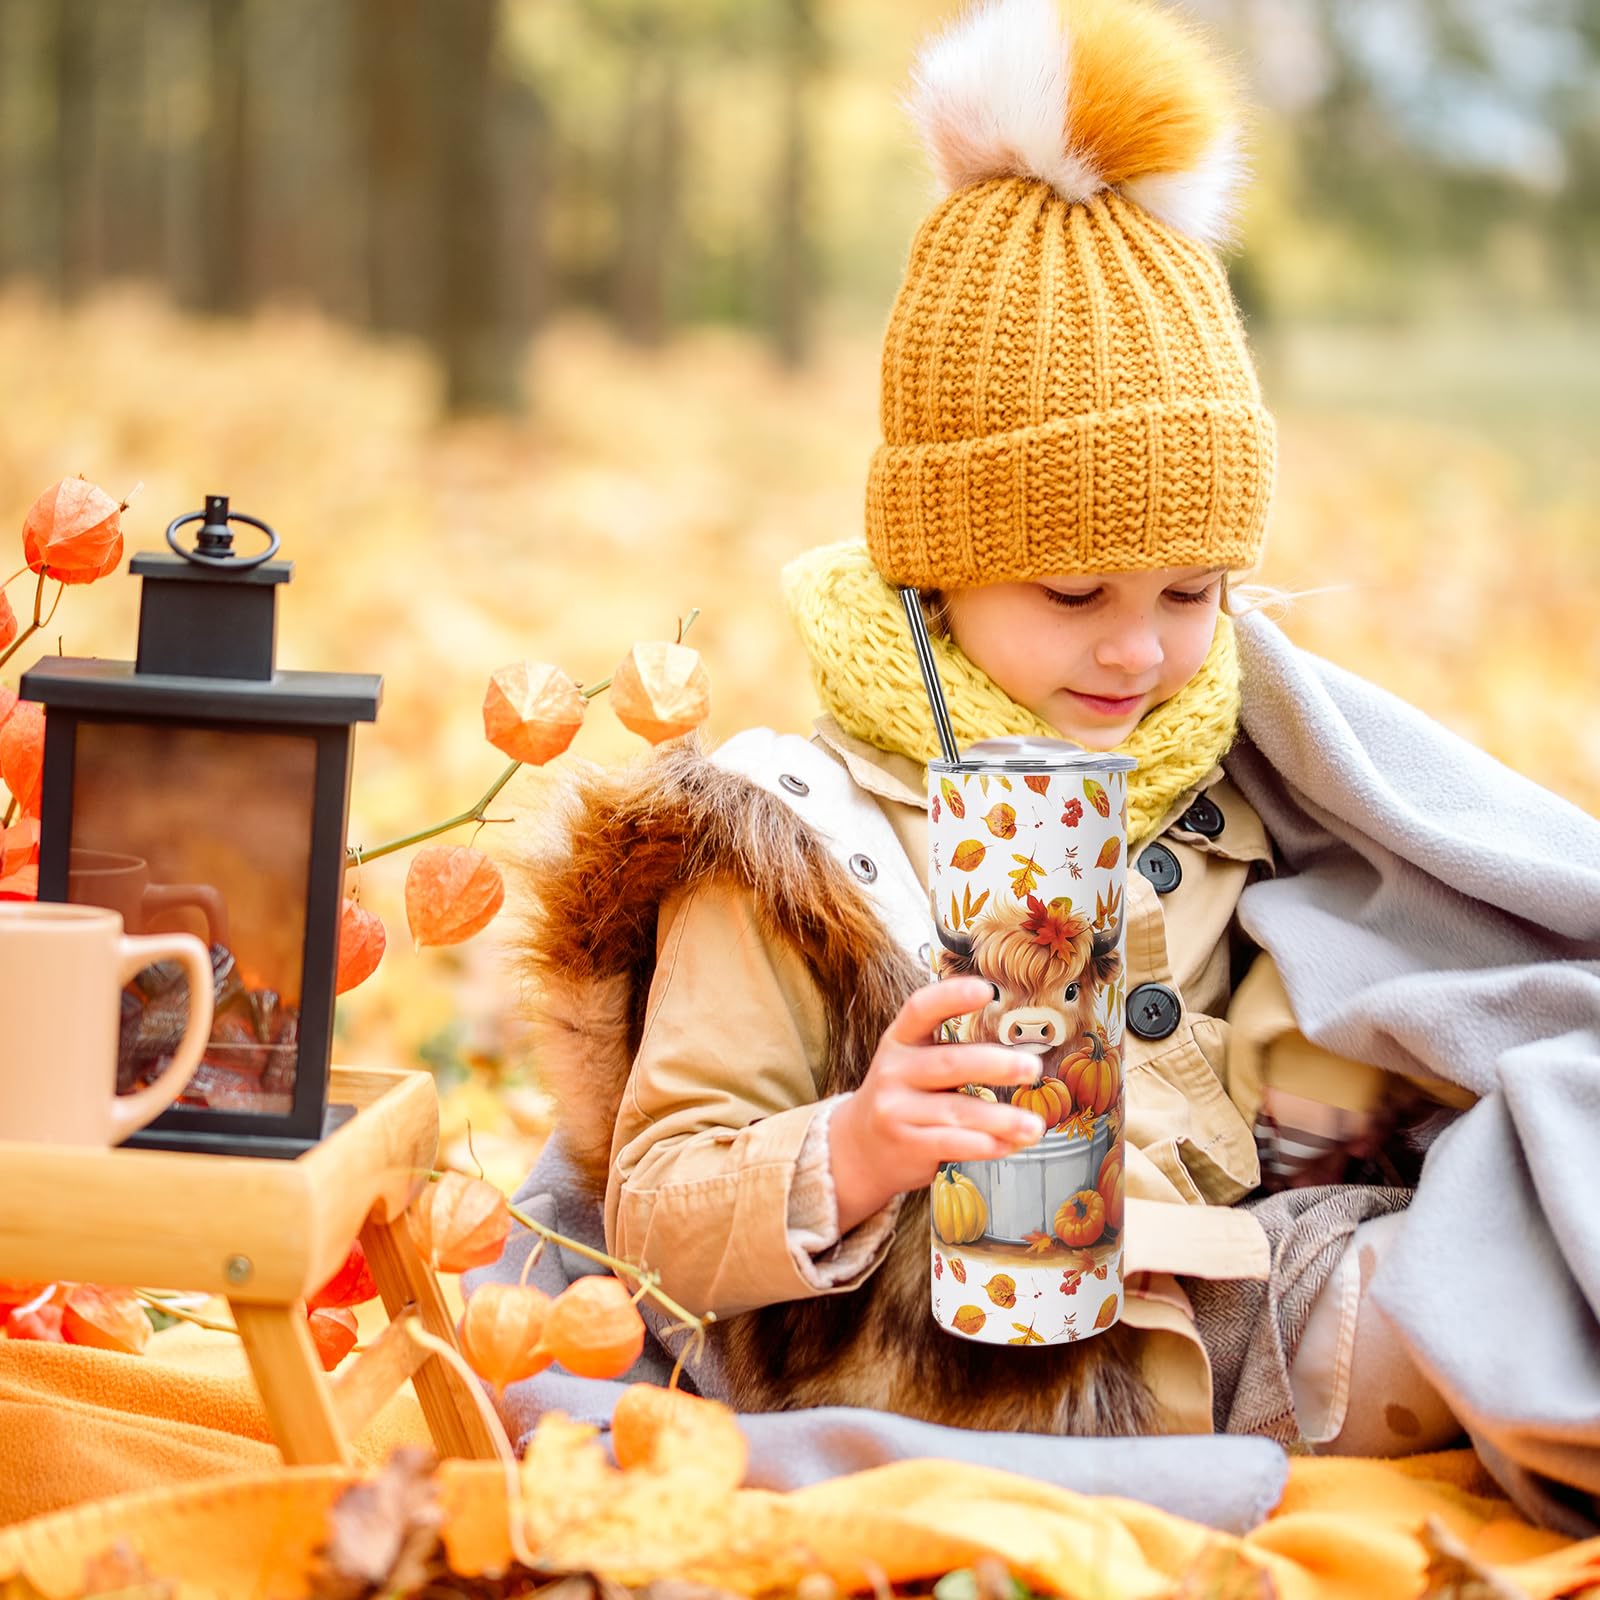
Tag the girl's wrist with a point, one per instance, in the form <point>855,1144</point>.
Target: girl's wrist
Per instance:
<point>857,1194</point>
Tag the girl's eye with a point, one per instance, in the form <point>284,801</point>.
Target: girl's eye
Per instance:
<point>1055,597</point>
<point>1180,596</point>
<point>1197,598</point>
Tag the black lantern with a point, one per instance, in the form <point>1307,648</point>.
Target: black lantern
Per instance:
<point>200,789</point>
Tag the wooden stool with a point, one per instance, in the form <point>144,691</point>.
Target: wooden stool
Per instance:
<point>265,1234</point>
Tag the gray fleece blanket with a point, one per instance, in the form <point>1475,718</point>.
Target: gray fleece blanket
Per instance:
<point>1435,914</point>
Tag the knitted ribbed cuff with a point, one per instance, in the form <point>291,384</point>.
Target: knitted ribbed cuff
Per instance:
<point>1176,484</point>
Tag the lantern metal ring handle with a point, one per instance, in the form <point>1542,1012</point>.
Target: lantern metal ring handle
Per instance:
<point>214,546</point>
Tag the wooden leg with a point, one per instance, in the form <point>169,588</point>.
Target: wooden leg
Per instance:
<point>293,1388</point>
<point>458,1426</point>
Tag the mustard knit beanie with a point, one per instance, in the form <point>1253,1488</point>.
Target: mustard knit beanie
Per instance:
<point>1066,386</point>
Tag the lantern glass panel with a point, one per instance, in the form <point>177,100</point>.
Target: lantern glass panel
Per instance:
<point>203,830</point>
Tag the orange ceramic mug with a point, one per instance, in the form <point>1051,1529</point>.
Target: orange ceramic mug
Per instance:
<point>62,971</point>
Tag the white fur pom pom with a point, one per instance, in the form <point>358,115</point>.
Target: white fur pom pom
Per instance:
<point>989,95</point>
<point>1121,95</point>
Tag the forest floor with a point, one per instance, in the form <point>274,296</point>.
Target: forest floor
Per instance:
<point>1442,487</point>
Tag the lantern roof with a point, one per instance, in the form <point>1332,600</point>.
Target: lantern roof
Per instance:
<point>90,683</point>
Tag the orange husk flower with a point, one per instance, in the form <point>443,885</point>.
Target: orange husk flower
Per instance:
<point>352,1285</point>
<point>333,1333</point>
<point>594,1329</point>
<point>459,1222</point>
<point>8,703</point>
<point>532,711</point>
<point>452,892</point>
<point>8,623</point>
<point>666,1430</point>
<point>361,945</point>
<point>499,1332</point>
<point>19,846</point>
<point>660,690</point>
<point>108,1319</point>
<point>22,755</point>
<point>73,532</point>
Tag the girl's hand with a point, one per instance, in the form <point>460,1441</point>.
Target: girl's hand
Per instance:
<point>904,1123</point>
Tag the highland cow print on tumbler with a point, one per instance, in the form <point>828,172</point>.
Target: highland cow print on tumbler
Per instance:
<point>1027,848</point>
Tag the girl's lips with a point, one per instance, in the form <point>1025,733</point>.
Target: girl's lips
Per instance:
<point>1109,708</point>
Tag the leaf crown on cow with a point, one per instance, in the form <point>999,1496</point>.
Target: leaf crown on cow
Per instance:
<point>1043,962</point>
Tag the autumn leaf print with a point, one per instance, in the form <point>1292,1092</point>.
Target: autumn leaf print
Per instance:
<point>968,1320</point>
<point>958,1269</point>
<point>1002,1290</point>
<point>952,798</point>
<point>970,907</point>
<point>1002,821</point>
<point>983,784</point>
<point>1026,877</point>
<point>1025,1335</point>
<point>1107,1313</point>
<point>968,856</point>
<point>1097,797</point>
<point>933,810</point>
<point>1040,1244</point>
<point>1038,782</point>
<point>1110,851</point>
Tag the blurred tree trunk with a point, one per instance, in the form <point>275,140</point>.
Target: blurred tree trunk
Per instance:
<point>793,273</point>
<point>30,211</point>
<point>223,247</point>
<point>178,72</point>
<point>388,60</point>
<point>480,362</point>
<point>78,241</point>
<point>650,152</point>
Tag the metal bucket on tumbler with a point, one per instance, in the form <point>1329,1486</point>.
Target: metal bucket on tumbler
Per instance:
<point>1027,869</point>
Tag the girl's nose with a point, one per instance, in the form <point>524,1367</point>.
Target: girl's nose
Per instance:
<point>1131,647</point>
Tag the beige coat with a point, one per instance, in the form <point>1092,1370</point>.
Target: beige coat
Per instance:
<point>717,1171</point>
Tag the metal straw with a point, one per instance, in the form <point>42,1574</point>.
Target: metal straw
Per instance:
<point>930,675</point>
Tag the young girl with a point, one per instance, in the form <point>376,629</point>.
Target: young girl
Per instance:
<point>730,952</point>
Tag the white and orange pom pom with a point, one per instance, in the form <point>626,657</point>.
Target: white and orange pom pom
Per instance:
<point>1114,95</point>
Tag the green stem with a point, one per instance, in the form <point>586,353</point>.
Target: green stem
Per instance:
<point>38,621</point>
<point>182,1315</point>
<point>355,855</point>
<point>647,1279</point>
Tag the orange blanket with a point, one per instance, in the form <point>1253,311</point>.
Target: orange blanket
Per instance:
<point>78,1425</point>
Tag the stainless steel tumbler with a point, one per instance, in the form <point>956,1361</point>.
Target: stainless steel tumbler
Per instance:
<point>1027,870</point>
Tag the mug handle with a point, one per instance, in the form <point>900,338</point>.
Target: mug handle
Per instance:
<point>159,897</point>
<point>130,1112</point>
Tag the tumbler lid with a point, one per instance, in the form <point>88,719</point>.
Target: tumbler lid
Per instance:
<point>1031,752</point>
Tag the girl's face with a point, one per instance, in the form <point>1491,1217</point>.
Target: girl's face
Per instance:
<point>1091,652</point>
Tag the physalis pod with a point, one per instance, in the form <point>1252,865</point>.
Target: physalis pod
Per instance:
<point>361,945</point>
<point>660,690</point>
<point>22,755</point>
<point>459,1222</point>
<point>665,1430</point>
<point>594,1329</point>
<point>452,892</point>
<point>500,1330</point>
<point>532,711</point>
<point>73,532</point>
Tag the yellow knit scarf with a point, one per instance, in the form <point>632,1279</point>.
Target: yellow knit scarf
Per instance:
<point>854,628</point>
